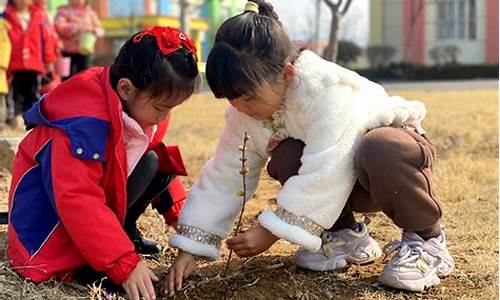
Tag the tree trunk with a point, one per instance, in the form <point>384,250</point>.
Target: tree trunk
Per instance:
<point>330,52</point>
<point>317,26</point>
<point>183,15</point>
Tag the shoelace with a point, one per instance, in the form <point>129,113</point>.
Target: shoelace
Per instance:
<point>328,237</point>
<point>409,251</point>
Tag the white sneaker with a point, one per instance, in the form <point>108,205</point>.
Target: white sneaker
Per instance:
<point>339,249</point>
<point>418,264</point>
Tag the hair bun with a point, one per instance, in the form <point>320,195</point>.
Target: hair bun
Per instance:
<point>266,9</point>
<point>252,7</point>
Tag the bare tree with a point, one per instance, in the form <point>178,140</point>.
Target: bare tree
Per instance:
<point>132,19</point>
<point>317,16</point>
<point>308,31</point>
<point>187,9</point>
<point>452,52</point>
<point>447,54</point>
<point>339,9</point>
<point>437,55</point>
<point>183,6</point>
<point>348,52</point>
<point>379,56</point>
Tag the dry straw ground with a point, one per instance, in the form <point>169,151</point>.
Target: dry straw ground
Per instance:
<point>463,125</point>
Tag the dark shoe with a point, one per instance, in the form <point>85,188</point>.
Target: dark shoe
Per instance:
<point>143,246</point>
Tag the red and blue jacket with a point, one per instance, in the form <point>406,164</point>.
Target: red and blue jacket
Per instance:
<point>67,200</point>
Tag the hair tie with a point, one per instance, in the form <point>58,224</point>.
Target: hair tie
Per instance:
<point>168,40</point>
<point>252,6</point>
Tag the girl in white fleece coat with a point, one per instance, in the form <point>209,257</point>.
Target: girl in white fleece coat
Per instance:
<point>280,97</point>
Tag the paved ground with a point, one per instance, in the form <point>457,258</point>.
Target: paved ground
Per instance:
<point>443,85</point>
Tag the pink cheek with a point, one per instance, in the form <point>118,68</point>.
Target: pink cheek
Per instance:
<point>243,109</point>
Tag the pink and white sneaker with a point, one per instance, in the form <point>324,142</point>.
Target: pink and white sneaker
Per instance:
<point>339,249</point>
<point>418,264</point>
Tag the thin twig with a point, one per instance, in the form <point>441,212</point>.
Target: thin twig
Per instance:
<point>242,193</point>
<point>252,283</point>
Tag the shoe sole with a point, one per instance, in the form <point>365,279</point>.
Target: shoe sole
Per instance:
<point>415,285</point>
<point>445,273</point>
<point>340,262</point>
<point>410,285</point>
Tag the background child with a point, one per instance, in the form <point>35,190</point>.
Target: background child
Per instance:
<point>51,78</point>
<point>32,55</point>
<point>338,143</point>
<point>71,21</point>
<point>5,48</point>
<point>95,160</point>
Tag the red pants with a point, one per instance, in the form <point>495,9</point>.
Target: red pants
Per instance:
<point>394,175</point>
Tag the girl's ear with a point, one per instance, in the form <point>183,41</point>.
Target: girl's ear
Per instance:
<point>288,72</point>
<point>125,89</point>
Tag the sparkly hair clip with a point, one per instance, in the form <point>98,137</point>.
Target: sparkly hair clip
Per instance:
<point>252,6</point>
<point>168,40</point>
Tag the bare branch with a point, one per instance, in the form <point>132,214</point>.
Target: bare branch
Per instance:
<point>346,7</point>
<point>333,6</point>
<point>241,193</point>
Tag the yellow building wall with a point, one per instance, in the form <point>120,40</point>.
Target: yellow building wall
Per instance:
<point>124,27</point>
<point>376,22</point>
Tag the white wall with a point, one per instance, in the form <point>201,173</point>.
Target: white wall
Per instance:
<point>393,27</point>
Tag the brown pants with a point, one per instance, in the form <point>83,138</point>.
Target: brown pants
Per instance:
<point>394,175</point>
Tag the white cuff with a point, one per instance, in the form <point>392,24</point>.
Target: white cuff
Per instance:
<point>289,232</point>
<point>186,244</point>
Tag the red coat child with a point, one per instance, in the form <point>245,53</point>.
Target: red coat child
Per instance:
<point>32,48</point>
<point>67,200</point>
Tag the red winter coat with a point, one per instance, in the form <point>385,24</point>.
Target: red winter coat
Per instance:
<point>33,48</point>
<point>67,200</point>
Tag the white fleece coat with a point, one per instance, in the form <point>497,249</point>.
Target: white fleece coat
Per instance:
<point>329,108</point>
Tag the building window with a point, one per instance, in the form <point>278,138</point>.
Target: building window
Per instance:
<point>461,19</point>
<point>472,19</point>
<point>456,19</point>
<point>441,20</point>
<point>446,20</point>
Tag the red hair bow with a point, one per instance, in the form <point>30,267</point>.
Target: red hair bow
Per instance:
<point>168,40</point>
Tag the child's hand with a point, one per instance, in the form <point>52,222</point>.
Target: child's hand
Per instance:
<point>252,242</point>
<point>183,266</point>
<point>139,283</point>
<point>49,68</point>
<point>175,227</point>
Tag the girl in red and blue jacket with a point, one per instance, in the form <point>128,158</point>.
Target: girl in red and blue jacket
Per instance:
<point>95,159</point>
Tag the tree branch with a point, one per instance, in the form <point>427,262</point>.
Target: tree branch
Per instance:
<point>346,7</point>
<point>333,6</point>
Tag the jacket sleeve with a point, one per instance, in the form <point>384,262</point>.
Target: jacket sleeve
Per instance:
<point>48,42</point>
<point>178,195</point>
<point>170,162</point>
<point>63,26</point>
<point>213,204</point>
<point>5,46</point>
<point>91,224</point>
<point>96,24</point>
